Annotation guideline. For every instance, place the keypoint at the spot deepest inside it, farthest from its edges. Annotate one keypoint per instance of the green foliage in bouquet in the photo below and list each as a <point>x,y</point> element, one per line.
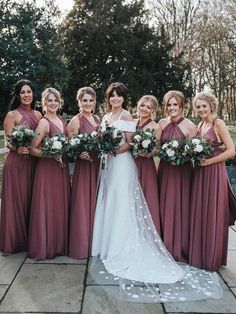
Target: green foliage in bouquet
<point>198,149</point>
<point>21,136</point>
<point>143,141</point>
<point>78,144</point>
<point>108,140</point>
<point>173,151</point>
<point>54,147</point>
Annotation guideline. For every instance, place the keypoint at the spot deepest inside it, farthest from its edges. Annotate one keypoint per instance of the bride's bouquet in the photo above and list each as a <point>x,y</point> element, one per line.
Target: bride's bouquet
<point>21,136</point>
<point>198,149</point>
<point>54,147</point>
<point>173,151</point>
<point>108,139</point>
<point>143,141</point>
<point>78,144</point>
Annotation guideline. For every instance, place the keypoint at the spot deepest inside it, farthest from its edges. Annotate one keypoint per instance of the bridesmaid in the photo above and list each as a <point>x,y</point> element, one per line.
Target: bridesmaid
<point>85,179</point>
<point>147,107</point>
<point>50,200</point>
<point>18,172</point>
<point>175,181</point>
<point>210,208</point>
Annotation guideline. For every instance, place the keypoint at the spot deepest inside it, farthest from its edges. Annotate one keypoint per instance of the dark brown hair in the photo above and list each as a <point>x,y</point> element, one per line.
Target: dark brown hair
<point>121,90</point>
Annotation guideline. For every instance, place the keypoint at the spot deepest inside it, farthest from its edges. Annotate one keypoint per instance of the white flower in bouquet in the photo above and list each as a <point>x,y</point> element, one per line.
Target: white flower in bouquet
<point>74,141</point>
<point>186,147</point>
<point>198,148</point>
<point>55,138</point>
<point>170,152</point>
<point>14,133</point>
<point>57,145</point>
<point>145,143</point>
<point>196,141</point>
<point>94,133</point>
<point>165,145</point>
<point>175,143</point>
<point>137,137</point>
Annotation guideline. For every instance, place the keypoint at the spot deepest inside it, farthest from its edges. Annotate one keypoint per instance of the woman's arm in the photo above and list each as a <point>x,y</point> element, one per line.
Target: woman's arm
<point>42,130</point>
<point>73,127</point>
<point>223,133</point>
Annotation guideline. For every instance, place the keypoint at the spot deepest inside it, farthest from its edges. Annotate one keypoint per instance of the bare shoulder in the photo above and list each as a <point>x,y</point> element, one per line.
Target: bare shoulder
<point>220,122</point>
<point>163,122</point>
<point>43,123</point>
<point>190,123</point>
<point>38,114</point>
<point>154,125</point>
<point>11,115</point>
<point>126,115</point>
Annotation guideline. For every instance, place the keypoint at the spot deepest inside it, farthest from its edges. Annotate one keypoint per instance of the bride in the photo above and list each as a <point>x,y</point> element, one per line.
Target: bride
<point>126,246</point>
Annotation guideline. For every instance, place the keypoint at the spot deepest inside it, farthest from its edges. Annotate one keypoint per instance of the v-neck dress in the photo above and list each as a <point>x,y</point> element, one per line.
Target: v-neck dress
<point>48,230</point>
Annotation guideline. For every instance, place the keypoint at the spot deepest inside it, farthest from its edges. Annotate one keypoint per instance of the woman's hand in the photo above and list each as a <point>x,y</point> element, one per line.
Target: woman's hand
<point>145,155</point>
<point>85,156</point>
<point>23,150</point>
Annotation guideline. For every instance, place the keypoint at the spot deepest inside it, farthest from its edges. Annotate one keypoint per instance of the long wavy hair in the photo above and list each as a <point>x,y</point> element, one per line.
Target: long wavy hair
<point>121,90</point>
<point>15,102</point>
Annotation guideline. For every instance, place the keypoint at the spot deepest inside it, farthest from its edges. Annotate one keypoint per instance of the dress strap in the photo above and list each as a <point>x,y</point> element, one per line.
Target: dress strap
<point>121,114</point>
<point>178,121</point>
<point>141,126</point>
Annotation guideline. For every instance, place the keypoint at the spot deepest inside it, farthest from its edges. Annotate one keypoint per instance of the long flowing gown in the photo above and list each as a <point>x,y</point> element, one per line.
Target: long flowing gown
<point>128,250</point>
<point>48,230</point>
<point>148,180</point>
<point>174,184</point>
<point>211,206</point>
<point>18,173</point>
<point>83,199</point>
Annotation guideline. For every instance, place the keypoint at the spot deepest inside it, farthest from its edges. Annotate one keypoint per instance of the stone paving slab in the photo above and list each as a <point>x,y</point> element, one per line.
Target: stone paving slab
<point>58,260</point>
<point>229,272</point>
<point>10,265</point>
<point>226,304</point>
<point>232,239</point>
<point>46,288</point>
<point>96,300</point>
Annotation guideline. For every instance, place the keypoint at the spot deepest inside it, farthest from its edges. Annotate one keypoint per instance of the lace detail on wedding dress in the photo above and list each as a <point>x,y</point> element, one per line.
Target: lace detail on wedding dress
<point>130,260</point>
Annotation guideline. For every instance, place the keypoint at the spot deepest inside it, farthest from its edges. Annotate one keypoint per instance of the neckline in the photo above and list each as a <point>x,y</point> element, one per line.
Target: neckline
<point>62,131</point>
<point>141,126</point>
<point>177,121</point>
<point>81,115</point>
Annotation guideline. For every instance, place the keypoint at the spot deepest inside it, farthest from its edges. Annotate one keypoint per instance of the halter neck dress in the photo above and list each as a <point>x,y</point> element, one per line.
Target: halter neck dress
<point>18,174</point>
<point>174,184</point>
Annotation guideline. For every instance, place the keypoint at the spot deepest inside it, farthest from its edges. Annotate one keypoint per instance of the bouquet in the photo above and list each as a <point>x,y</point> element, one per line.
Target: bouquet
<point>198,149</point>
<point>173,151</point>
<point>108,139</point>
<point>21,136</point>
<point>78,144</point>
<point>54,147</point>
<point>143,141</point>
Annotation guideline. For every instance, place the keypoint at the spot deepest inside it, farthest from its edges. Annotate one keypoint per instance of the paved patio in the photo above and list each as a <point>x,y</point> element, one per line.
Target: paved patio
<point>63,285</point>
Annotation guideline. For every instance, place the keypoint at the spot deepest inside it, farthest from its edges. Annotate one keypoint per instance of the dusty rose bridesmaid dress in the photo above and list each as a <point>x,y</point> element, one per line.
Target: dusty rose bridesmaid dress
<point>18,172</point>
<point>174,184</point>
<point>48,230</point>
<point>148,180</point>
<point>213,209</point>
<point>83,199</point>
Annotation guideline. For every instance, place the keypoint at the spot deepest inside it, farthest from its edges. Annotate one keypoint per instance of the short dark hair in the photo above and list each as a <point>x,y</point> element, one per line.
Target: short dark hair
<point>121,90</point>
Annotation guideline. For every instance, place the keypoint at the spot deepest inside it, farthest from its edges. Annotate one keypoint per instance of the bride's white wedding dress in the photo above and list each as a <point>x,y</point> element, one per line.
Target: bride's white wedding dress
<point>128,247</point>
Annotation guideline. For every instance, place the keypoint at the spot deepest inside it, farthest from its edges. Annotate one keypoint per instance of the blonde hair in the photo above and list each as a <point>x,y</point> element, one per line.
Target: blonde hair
<point>153,101</point>
<point>47,92</point>
<point>85,90</point>
<point>209,98</point>
<point>179,96</point>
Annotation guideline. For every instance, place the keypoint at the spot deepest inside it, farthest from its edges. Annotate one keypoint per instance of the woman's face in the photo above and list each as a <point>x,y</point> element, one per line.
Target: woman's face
<point>115,100</point>
<point>87,103</point>
<point>52,103</point>
<point>203,108</point>
<point>173,108</point>
<point>145,109</point>
<point>26,95</point>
